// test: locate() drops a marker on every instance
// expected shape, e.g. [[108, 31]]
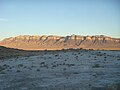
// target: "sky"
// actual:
[[59, 17]]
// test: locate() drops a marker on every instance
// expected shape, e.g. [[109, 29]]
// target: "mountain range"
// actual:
[[52, 42]]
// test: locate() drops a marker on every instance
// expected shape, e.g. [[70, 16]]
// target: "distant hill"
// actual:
[[10, 52], [52, 42]]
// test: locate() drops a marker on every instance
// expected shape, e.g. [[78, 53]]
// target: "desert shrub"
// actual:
[[10, 67], [118, 59], [18, 71], [90, 49], [63, 63], [104, 53], [45, 65], [64, 69], [62, 49], [38, 69], [20, 65], [42, 63], [105, 57], [114, 87], [54, 66], [3, 67], [72, 64], [49, 57], [96, 66], [81, 48], [25, 66], [56, 55], [32, 66], [89, 56], [69, 65], [75, 73]]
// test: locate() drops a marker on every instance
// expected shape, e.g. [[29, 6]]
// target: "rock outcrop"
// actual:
[[51, 42]]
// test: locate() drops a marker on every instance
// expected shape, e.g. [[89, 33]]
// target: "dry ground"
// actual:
[[62, 70]]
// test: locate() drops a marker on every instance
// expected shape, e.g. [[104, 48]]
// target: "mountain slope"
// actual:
[[27, 42]]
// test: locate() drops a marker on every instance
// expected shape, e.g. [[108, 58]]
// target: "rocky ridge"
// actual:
[[52, 42]]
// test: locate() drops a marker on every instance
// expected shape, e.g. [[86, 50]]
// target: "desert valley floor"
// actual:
[[62, 70]]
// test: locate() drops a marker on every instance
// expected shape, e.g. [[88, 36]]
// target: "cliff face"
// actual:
[[27, 42]]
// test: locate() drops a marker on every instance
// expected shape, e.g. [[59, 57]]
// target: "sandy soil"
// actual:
[[65, 70]]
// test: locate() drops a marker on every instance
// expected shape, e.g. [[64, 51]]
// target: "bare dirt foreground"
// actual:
[[65, 70]]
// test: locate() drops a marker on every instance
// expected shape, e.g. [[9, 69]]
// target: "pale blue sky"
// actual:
[[59, 17]]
